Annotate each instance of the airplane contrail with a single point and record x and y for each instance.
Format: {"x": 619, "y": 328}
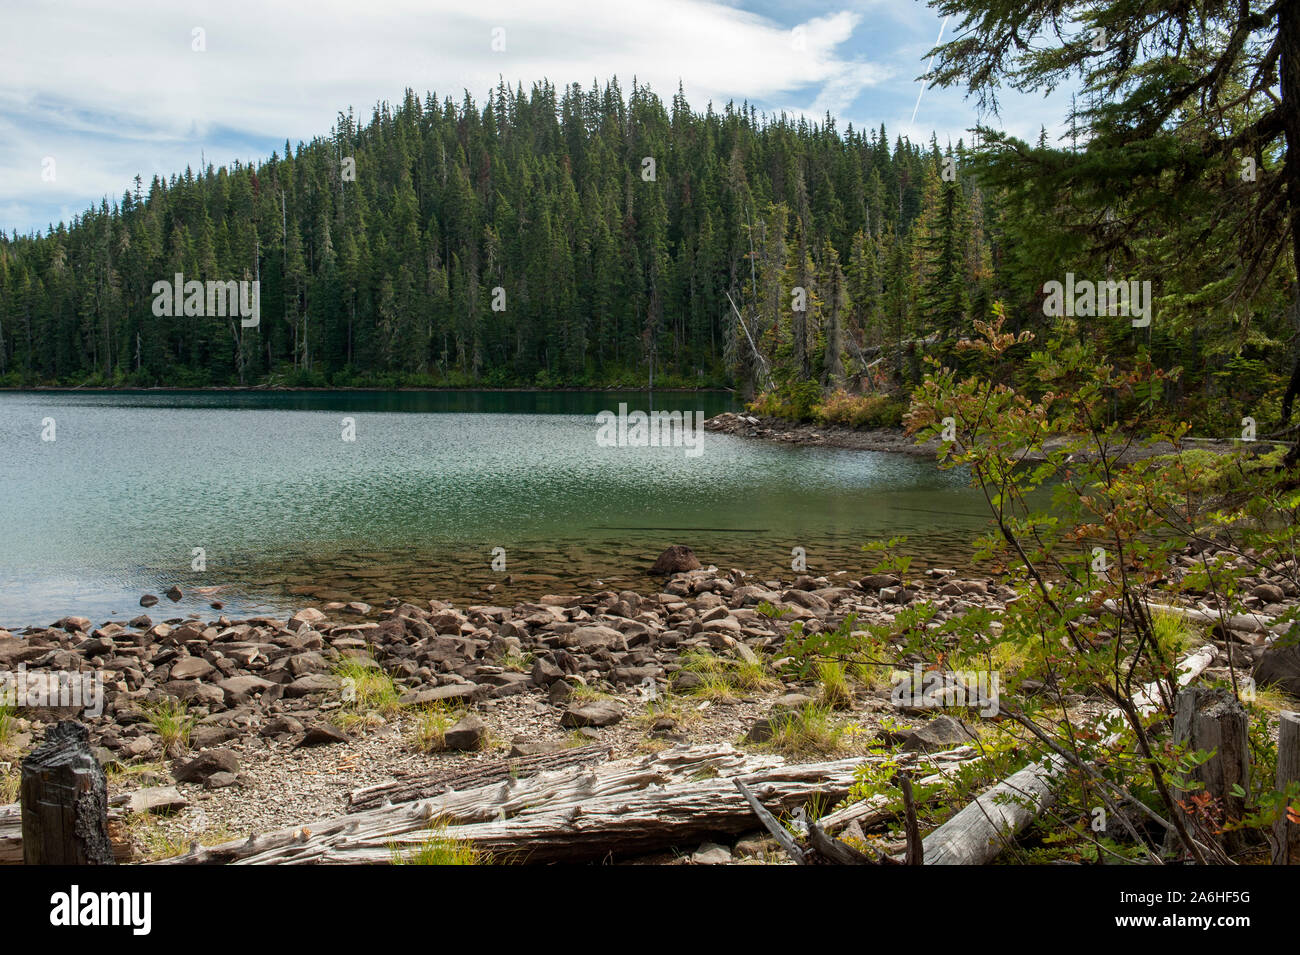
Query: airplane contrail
{"x": 942, "y": 26}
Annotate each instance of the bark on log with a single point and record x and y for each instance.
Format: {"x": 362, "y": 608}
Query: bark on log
{"x": 434, "y": 784}
{"x": 580, "y": 813}
{"x": 1287, "y": 833}
{"x": 64, "y": 799}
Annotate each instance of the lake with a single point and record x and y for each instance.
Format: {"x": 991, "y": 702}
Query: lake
{"x": 286, "y": 511}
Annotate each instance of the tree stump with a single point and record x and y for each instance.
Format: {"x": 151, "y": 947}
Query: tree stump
{"x": 1214, "y": 721}
{"x": 1288, "y": 772}
{"x": 64, "y": 796}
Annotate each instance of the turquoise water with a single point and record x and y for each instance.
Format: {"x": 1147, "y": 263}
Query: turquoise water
{"x": 285, "y": 510}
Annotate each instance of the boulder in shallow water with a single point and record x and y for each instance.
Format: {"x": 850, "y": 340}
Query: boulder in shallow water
{"x": 675, "y": 560}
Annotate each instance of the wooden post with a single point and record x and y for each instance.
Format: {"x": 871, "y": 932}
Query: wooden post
{"x": 1288, "y": 772}
{"x": 1214, "y": 721}
{"x": 64, "y": 796}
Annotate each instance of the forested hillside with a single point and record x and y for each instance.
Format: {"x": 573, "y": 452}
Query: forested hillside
{"x": 586, "y": 238}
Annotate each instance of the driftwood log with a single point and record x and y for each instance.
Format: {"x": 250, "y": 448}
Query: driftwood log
{"x": 575, "y": 813}
{"x": 1152, "y": 697}
{"x": 981, "y": 831}
{"x": 434, "y": 784}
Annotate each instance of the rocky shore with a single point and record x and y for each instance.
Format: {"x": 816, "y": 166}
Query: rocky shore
{"x": 746, "y": 425}
{"x": 282, "y": 732}
{"x": 896, "y": 441}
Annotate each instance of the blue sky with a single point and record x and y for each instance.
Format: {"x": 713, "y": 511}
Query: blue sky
{"x": 92, "y": 93}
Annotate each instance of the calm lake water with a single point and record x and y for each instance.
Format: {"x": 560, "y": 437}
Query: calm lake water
{"x": 286, "y": 511}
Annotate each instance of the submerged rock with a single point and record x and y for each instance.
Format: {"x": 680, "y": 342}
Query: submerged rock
{"x": 675, "y": 560}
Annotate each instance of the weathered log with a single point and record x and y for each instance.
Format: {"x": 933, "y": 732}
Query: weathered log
{"x": 64, "y": 800}
{"x": 434, "y": 784}
{"x": 11, "y": 835}
{"x": 571, "y": 814}
{"x": 1286, "y": 832}
{"x": 1246, "y": 622}
{"x": 981, "y": 830}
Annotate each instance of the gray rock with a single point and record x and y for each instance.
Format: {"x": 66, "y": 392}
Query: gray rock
{"x": 191, "y": 668}
{"x": 205, "y": 764}
{"x": 1280, "y": 666}
{"x": 221, "y": 780}
{"x": 467, "y": 734}
{"x": 675, "y": 560}
{"x": 323, "y": 734}
{"x": 282, "y": 726}
{"x": 313, "y": 683}
{"x": 598, "y": 713}
{"x": 452, "y": 692}
{"x": 942, "y": 732}
{"x": 148, "y": 600}
{"x": 157, "y": 799}
{"x": 241, "y": 689}
{"x": 1269, "y": 593}
{"x": 710, "y": 853}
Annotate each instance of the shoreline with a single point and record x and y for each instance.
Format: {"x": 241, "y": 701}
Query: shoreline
{"x": 276, "y": 741}
{"x": 895, "y": 441}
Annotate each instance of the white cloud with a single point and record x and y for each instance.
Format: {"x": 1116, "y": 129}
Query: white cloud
{"x": 112, "y": 91}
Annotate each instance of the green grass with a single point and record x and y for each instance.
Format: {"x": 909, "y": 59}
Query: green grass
{"x": 1173, "y": 634}
{"x": 10, "y": 782}
{"x": 807, "y": 732}
{"x": 835, "y": 691}
{"x": 120, "y": 774}
{"x": 373, "y": 692}
{"x": 171, "y": 721}
{"x": 431, "y": 727}
{"x": 724, "y": 679}
{"x": 154, "y": 840}
{"x": 438, "y": 849}
{"x": 584, "y": 693}
{"x": 6, "y": 723}
{"x": 667, "y": 705}
{"x": 519, "y": 662}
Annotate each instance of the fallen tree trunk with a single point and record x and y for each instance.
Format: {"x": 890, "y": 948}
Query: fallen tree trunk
{"x": 1246, "y": 622}
{"x": 569, "y": 814}
{"x": 433, "y": 784}
{"x": 979, "y": 832}
{"x": 876, "y": 809}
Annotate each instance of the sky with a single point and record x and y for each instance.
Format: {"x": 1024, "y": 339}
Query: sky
{"x": 94, "y": 93}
